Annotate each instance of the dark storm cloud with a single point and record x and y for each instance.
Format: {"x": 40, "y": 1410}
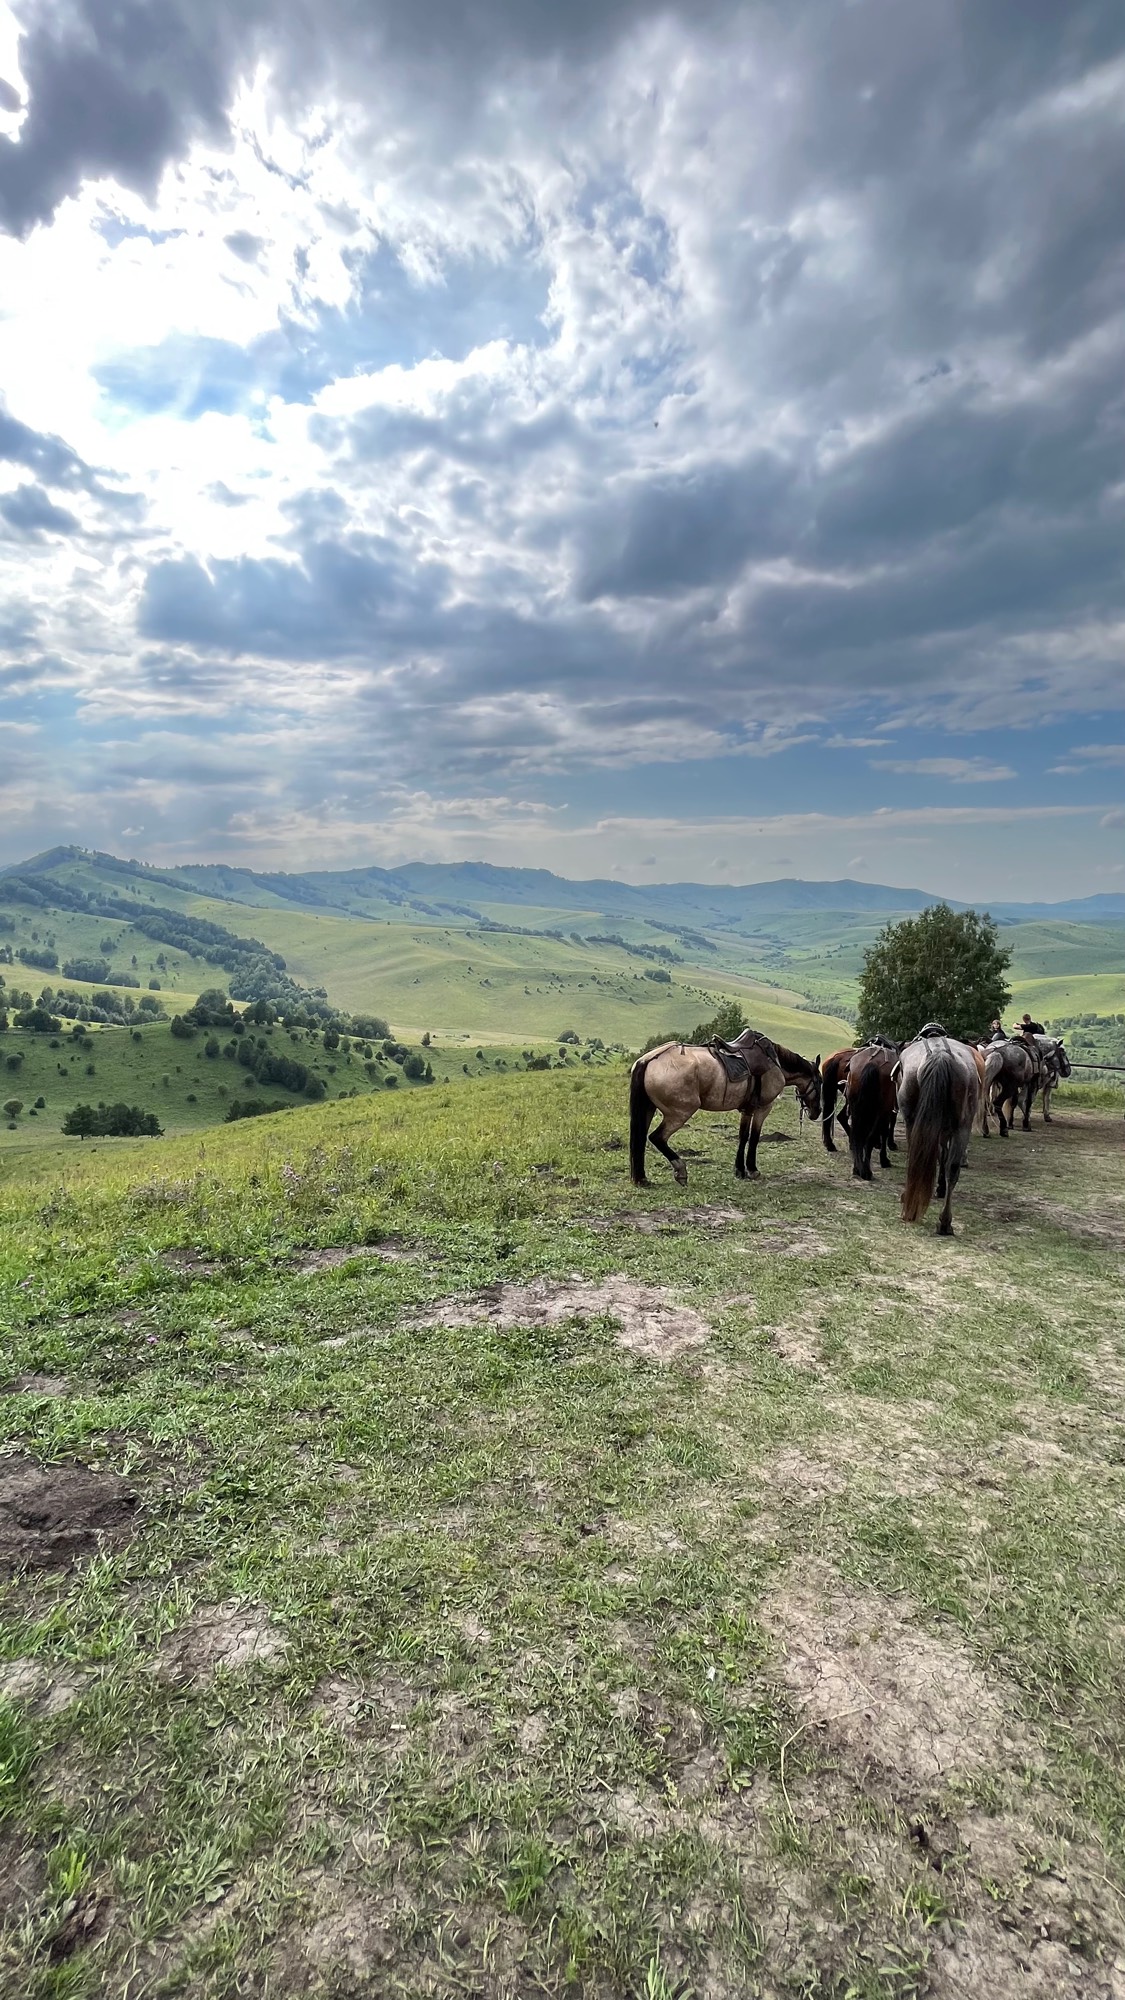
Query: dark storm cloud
{"x": 671, "y": 535}
{"x": 122, "y": 90}
{"x": 337, "y": 600}
{"x": 30, "y": 514}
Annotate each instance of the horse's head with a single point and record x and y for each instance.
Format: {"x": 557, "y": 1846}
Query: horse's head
{"x": 808, "y": 1092}
{"x": 1062, "y": 1060}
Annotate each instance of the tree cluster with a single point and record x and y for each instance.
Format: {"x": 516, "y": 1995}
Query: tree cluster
{"x": 111, "y": 1121}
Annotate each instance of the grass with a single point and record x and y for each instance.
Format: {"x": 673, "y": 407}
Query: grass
{"x": 522, "y": 1708}
{"x": 187, "y": 1089}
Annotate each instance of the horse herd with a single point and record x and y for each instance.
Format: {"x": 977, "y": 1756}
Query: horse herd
{"x": 939, "y": 1083}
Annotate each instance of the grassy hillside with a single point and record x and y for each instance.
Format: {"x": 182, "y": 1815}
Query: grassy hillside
{"x": 397, "y": 954}
{"x": 186, "y": 1088}
{"x": 487, "y": 1579}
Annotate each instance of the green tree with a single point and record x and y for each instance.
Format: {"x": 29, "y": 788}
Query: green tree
{"x": 13, "y": 1107}
{"x": 944, "y": 965}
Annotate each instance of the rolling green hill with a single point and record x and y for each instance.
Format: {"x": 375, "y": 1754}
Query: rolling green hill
{"x": 513, "y": 958}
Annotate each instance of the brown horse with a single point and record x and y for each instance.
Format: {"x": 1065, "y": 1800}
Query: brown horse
{"x": 678, "y": 1080}
{"x": 872, "y": 1104}
{"x": 834, "y": 1075}
{"x": 1011, "y": 1068}
{"x": 939, "y": 1094}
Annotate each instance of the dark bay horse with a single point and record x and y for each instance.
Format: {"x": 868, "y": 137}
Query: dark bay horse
{"x": 678, "y": 1080}
{"x": 872, "y": 1104}
{"x": 939, "y": 1094}
{"x": 834, "y": 1076}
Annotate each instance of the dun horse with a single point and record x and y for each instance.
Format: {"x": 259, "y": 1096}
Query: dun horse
{"x": 679, "y": 1080}
{"x": 872, "y": 1106}
{"x": 939, "y": 1094}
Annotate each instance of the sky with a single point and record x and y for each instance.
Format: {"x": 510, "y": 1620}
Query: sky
{"x": 672, "y": 442}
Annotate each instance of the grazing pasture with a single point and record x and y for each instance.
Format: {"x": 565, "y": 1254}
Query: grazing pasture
{"x": 439, "y": 1568}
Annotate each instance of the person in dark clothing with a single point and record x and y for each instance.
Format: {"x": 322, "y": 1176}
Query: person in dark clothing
{"x": 996, "y": 1031}
{"x": 1030, "y": 1027}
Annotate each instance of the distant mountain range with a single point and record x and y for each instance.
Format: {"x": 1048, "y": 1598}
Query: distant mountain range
{"x": 443, "y": 889}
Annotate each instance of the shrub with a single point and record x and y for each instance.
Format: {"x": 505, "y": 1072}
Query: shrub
{"x": 13, "y": 1107}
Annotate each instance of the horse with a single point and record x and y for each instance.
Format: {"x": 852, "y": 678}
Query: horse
{"x": 834, "y": 1075}
{"x": 939, "y": 1094}
{"x": 872, "y": 1103}
{"x": 678, "y": 1080}
{"x": 1011, "y": 1070}
{"x": 1054, "y": 1064}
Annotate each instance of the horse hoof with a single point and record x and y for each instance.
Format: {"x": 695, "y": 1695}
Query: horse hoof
{"x": 681, "y": 1176}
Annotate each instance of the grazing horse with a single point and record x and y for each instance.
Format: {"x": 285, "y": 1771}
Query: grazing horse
{"x": 679, "y": 1080}
{"x": 872, "y": 1103}
{"x": 1011, "y": 1070}
{"x": 1054, "y": 1064}
{"x": 938, "y": 1093}
{"x": 834, "y": 1075}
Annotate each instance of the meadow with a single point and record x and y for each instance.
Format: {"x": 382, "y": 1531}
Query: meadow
{"x": 438, "y": 1568}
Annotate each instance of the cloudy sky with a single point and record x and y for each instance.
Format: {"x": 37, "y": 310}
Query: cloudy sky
{"x": 685, "y": 441}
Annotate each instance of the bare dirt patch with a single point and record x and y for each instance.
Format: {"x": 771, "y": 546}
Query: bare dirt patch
{"x": 309, "y": 1262}
{"x": 191, "y": 1263}
{"x": 797, "y": 1342}
{"x": 54, "y": 1515}
{"x": 886, "y": 1693}
{"x": 787, "y": 1239}
{"x": 657, "y": 1221}
{"x": 38, "y": 1685}
{"x": 650, "y": 1321}
{"x": 377, "y": 1710}
{"x": 227, "y": 1635}
{"x": 800, "y": 1477}
{"x": 34, "y": 1384}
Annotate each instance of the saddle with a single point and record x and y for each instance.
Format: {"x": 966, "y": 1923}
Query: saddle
{"x": 735, "y": 1055}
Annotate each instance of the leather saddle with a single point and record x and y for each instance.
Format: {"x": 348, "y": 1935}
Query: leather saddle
{"x": 736, "y": 1056}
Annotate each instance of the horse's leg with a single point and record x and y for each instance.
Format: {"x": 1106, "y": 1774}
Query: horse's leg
{"x": 1047, "y": 1089}
{"x": 956, "y": 1148}
{"x": 743, "y": 1135}
{"x": 1027, "y": 1097}
{"x": 671, "y": 1122}
{"x": 891, "y": 1143}
{"x": 757, "y": 1120}
{"x": 884, "y": 1141}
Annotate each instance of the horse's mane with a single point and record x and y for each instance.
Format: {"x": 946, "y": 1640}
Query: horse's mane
{"x": 794, "y": 1061}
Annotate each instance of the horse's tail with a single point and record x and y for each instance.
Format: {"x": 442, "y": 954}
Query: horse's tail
{"x": 865, "y": 1109}
{"x": 934, "y": 1118}
{"x": 829, "y": 1084}
{"x": 641, "y": 1108}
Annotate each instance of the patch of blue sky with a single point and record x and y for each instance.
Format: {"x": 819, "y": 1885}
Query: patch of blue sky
{"x": 392, "y": 320}
{"x": 115, "y": 231}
